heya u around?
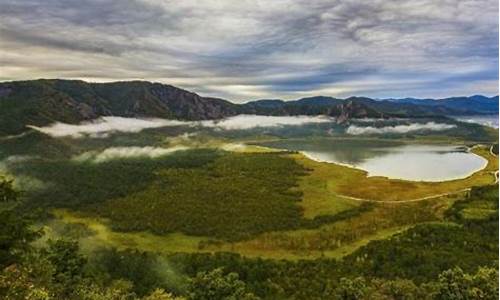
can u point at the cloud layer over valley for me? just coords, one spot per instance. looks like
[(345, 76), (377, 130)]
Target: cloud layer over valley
[(398, 129), (243, 122), (102, 127)]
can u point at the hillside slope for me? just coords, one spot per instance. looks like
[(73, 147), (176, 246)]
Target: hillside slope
[(40, 102)]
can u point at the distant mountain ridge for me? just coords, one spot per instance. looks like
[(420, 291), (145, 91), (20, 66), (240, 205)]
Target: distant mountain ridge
[(41, 102), (407, 107), (462, 105)]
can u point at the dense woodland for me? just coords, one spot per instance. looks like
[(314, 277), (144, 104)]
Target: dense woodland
[(213, 193), (235, 197), (453, 260), (74, 184)]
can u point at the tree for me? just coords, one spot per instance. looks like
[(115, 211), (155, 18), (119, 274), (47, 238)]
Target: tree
[(15, 236), (116, 290), (160, 294), (398, 289), (485, 284), (68, 264), (215, 285), (455, 284), (7, 191), (145, 270), (18, 282), (15, 232), (351, 289)]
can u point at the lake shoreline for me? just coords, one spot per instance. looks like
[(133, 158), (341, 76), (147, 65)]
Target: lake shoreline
[(455, 162)]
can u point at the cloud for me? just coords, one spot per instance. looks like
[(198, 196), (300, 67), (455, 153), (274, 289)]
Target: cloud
[(21, 182), (491, 121), (259, 49), (429, 126), (243, 122), (13, 160), (235, 147), (126, 152), (103, 126)]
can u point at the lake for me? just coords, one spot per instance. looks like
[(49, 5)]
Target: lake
[(395, 160)]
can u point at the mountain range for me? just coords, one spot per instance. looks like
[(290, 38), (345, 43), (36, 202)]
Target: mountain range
[(406, 107), (43, 101)]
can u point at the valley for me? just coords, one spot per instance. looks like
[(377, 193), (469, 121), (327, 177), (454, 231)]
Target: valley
[(339, 199), (282, 201), (249, 150)]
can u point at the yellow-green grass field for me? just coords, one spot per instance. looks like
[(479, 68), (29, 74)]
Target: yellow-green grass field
[(341, 238), (103, 236), (332, 240)]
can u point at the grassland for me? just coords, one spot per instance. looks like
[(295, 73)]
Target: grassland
[(331, 240), (101, 235), (328, 240), (340, 238)]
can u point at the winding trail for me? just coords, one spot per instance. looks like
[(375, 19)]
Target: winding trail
[(496, 172), (406, 201), (491, 151)]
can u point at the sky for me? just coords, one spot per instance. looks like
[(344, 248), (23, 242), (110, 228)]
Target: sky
[(243, 50)]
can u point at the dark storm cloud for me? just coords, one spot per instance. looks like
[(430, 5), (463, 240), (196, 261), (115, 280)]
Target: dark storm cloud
[(251, 49)]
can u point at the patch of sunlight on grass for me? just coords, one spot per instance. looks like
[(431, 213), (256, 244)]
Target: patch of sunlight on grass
[(318, 199), (145, 241), (350, 248), (477, 213)]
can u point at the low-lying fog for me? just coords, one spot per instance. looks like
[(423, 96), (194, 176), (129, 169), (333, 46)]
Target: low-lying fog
[(126, 152), (102, 127), (486, 120), (429, 126)]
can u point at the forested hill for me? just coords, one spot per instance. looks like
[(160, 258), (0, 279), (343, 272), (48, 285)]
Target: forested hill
[(41, 102)]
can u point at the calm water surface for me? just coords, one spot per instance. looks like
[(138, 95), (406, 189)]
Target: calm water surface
[(391, 159)]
